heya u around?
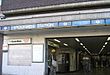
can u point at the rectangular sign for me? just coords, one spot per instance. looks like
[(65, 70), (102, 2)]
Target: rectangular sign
[(64, 24), (47, 25), (19, 41), (108, 21), (23, 27), (98, 22), (5, 28), (38, 53), (57, 24), (81, 23), (20, 55)]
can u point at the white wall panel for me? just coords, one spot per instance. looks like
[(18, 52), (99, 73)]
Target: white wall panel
[(34, 69)]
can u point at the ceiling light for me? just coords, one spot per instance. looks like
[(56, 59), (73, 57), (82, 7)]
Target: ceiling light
[(65, 44), (77, 39), (88, 51), (84, 47), (106, 43), (53, 51), (108, 39), (81, 44), (56, 40), (101, 50), (103, 46)]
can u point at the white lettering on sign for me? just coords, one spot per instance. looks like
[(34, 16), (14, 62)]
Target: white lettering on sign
[(47, 25), (20, 27), (18, 41), (98, 21)]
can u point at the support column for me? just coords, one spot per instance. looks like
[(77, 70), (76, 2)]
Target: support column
[(1, 43)]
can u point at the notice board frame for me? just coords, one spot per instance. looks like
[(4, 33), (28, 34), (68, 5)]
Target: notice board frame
[(42, 51)]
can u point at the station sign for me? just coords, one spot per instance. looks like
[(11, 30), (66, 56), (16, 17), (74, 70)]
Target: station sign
[(5, 28), (64, 24), (107, 21), (23, 27), (19, 41), (81, 23), (47, 25), (98, 22), (57, 24)]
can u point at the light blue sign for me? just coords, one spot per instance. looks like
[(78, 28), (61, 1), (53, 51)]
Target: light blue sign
[(108, 21), (5, 28), (81, 23), (47, 25), (63, 24), (23, 27), (98, 22)]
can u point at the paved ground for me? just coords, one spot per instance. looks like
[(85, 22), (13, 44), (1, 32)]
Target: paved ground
[(94, 72), (104, 71)]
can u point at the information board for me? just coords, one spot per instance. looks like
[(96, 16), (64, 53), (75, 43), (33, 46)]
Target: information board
[(20, 55), (38, 53)]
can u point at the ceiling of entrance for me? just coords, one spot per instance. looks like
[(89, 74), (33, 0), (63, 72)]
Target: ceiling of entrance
[(94, 45)]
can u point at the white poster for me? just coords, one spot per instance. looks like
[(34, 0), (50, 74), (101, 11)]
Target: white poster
[(38, 53), (20, 55)]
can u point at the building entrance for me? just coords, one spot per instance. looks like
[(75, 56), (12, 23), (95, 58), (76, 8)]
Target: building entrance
[(79, 54)]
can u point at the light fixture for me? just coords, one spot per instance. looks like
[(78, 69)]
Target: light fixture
[(88, 51), (53, 50), (77, 39), (103, 46), (56, 40), (65, 44), (101, 50), (84, 47), (81, 44), (108, 39), (106, 43)]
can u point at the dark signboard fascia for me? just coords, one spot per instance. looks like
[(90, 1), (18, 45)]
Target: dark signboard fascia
[(22, 4)]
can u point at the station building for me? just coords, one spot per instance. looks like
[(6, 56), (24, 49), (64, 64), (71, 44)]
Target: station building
[(33, 30)]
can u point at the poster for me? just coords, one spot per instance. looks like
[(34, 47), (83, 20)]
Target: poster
[(38, 53), (20, 55)]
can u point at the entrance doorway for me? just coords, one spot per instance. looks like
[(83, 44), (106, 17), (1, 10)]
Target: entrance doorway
[(70, 53)]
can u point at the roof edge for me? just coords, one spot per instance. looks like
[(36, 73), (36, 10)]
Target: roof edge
[(62, 6)]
